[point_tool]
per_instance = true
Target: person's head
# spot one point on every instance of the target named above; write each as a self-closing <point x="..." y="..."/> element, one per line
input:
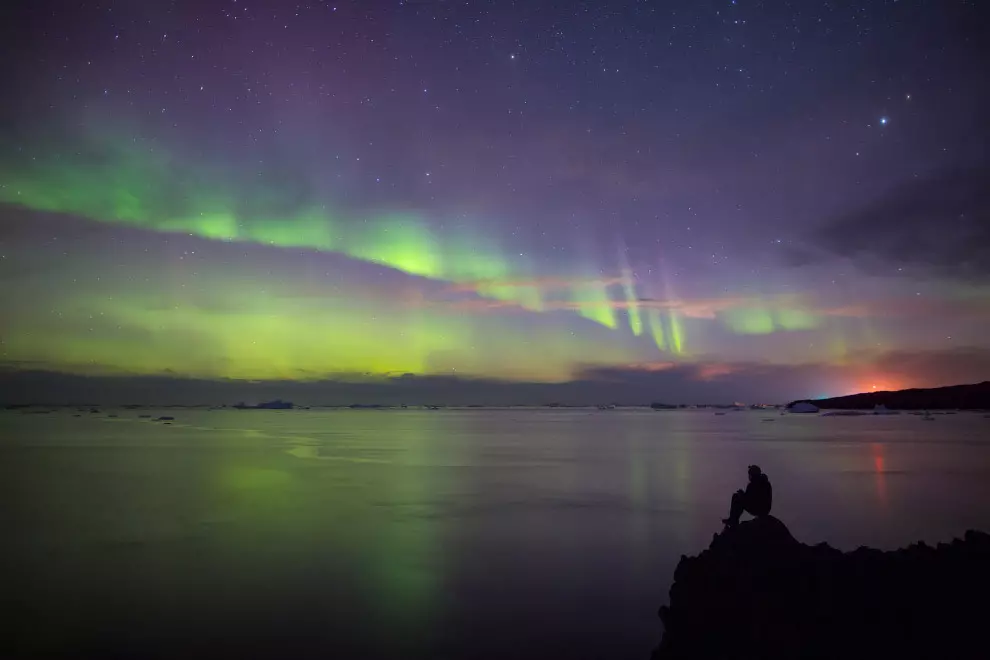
<point x="754" y="472"/>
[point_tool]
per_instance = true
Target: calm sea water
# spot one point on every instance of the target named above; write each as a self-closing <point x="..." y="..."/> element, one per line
<point x="445" y="534"/>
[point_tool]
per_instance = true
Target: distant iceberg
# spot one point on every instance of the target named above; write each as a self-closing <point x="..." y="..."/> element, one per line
<point x="881" y="409"/>
<point x="802" y="407"/>
<point x="277" y="404"/>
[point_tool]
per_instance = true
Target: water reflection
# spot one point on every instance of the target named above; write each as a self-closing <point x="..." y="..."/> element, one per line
<point x="358" y="500"/>
<point x="408" y="534"/>
<point x="640" y="481"/>
<point x="314" y="451"/>
<point x="405" y="559"/>
<point x="880" y="473"/>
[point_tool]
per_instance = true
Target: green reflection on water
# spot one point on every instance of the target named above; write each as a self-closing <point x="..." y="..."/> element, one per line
<point x="406" y="551"/>
<point x="377" y="510"/>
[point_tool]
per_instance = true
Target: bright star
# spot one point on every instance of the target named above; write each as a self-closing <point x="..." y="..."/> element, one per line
<point x="883" y="121"/>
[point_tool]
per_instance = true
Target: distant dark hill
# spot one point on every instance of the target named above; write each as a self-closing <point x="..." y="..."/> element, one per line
<point x="963" y="397"/>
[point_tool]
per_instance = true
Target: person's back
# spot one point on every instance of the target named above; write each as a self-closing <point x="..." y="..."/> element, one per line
<point x="759" y="495"/>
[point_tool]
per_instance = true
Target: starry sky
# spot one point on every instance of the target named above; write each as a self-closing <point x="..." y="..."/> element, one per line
<point x="493" y="200"/>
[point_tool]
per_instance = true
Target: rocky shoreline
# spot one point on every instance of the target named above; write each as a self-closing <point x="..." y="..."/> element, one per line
<point x="756" y="592"/>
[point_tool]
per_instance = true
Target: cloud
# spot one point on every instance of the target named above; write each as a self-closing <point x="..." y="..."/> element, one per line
<point x="946" y="367"/>
<point x="972" y="307"/>
<point x="671" y="382"/>
<point x="698" y="309"/>
<point x="542" y="283"/>
<point x="934" y="226"/>
<point x="554" y="298"/>
<point x="748" y="381"/>
<point x="556" y="289"/>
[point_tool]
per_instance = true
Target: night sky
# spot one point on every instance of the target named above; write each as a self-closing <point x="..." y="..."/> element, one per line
<point x="708" y="200"/>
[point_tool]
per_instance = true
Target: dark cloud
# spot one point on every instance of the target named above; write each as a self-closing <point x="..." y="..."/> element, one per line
<point x="937" y="226"/>
<point x="636" y="385"/>
<point x="948" y="367"/>
<point x="631" y="386"/>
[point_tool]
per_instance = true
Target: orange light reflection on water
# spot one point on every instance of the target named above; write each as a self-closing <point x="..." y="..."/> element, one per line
<point x="880" y="473"/>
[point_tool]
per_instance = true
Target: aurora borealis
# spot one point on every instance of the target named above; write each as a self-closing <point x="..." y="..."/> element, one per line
<point x="543" y="193"/>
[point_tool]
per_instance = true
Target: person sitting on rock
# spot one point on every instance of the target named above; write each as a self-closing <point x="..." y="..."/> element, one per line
<point x="756" y="499"/>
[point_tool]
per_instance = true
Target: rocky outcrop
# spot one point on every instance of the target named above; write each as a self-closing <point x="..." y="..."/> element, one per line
<point x="756" y="592"/>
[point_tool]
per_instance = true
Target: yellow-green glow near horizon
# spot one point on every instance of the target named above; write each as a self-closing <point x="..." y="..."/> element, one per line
<point x="764" y="321"/>
<point x="249" y="336"/>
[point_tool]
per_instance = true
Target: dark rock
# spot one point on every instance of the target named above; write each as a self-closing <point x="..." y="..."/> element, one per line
<point x="758" y="593"/>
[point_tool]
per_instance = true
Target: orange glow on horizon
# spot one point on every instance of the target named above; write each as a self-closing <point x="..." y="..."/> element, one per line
<point x="875" y="385"/>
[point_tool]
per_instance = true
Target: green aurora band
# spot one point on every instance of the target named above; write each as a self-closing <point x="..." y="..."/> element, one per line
<point x="147" y="189"/>
<point x="123" y="182"/>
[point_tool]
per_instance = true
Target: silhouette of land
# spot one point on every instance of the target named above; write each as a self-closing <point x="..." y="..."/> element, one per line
<point x="756" y="592"/>
<point x="955" y="397"/>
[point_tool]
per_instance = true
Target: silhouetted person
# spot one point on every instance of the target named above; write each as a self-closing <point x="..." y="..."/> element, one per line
<point x="755" y="500"/>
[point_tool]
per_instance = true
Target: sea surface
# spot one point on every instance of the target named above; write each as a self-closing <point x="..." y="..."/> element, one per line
<point x="426" y="534"/>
